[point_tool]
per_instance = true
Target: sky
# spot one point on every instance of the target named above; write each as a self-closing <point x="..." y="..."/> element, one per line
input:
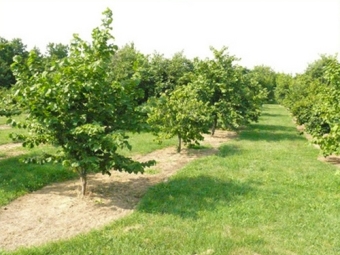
<point x="285" y="35"/>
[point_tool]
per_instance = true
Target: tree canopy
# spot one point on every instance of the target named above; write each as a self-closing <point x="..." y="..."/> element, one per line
<point x="75" y="105"/>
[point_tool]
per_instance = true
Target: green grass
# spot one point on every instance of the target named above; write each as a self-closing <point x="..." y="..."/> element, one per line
<point x="144" y="143"/>
<point x="5" y="133"/>
<point x="3" y="120"/>
<point x="18" y="118"/>
<point x="263" y="193"/>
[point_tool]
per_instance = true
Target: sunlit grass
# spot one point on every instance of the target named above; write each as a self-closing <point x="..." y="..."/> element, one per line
<point x="5" y="134"/>
<point x="6" y="129"/>
<point x="144" y="143"/>
<point x="263" y="193"/>
<point x="17" y="118"/>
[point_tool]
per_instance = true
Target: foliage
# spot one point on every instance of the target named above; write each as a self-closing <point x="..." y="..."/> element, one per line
<point x="8" y="106"/>
<point x="56" y="51"/>
<point x="179" y="113"/>
<point x="233" y="96"/>
<point x="313" y="99"/>
<point x="283" y="84"/>
<point x="75" y="105"/>
<point x="266" y="77"/>
<point x="316" y="70"/>
<point x="328" y="110"/>
<point x="125" y="63"/>
<point x="9" y="49"/>
<point x="167" y="74"/>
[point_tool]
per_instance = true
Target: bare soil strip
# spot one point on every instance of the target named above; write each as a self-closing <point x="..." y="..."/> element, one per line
<point x="58" y="212"/>
<point x="8" y="150"/>
<point x="4" y="127"/>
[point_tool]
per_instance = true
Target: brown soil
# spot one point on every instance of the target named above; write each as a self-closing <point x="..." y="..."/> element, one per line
<point x="8" y="150"/>
<point x="3" y="127"/>
<point x="334" y="160"/>
<point x="58" y="211"/>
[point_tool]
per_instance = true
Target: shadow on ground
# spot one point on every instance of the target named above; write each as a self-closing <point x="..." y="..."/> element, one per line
<point x="228" y="149"/>
<point x="270" y="133"/>
<point x="267" y="114"/>
<point x="186" y="197"/>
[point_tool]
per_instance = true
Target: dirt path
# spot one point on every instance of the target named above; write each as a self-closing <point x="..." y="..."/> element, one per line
<point x="58" y="212"/>
<point x="4" y="127"/>
<point x="9" y="150"/>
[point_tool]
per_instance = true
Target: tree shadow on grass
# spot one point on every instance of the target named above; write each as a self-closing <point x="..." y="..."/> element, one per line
<point x="270" y="133"/>
<point x="273" y="128"/>
<point x="186" y="197"/>
<point x="267" y="114"/>
<point x="228" y="149"/>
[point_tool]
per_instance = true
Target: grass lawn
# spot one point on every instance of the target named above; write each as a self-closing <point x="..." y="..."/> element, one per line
<point x="4" y="132"/>
<point x="3" y="120"/>
<point x="144" y="143"/>
<point x="263" y="193"/>
<point x="18" y="118"/>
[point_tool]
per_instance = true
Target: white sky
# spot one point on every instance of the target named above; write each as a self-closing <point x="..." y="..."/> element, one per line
<point x="283" y="34"/>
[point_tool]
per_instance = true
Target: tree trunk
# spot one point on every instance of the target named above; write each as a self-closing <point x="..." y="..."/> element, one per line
<point x="83" y="179"/>
<point x="213" y="128"/>
<point x="179" y="147"/>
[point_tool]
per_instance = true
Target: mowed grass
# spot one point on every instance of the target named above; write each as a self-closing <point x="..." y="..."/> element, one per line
<point x="144" y="143"/>
<point x="3" y="120"/>
<point x="5" y="134"/>
<point x="6" y="129"/>
<point x="18" y="118"/>
<point x="263" y="193"/>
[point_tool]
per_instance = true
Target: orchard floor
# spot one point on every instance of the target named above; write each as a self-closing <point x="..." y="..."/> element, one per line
<point x="58" y="211"/>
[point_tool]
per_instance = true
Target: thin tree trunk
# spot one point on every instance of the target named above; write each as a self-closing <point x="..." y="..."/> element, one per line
<point x="179" y="147"/>
<point x="83" y="179"/>
<point x="213" y="128"/>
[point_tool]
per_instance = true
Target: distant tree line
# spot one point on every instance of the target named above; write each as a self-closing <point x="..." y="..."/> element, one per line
<point x="11" y="48"/>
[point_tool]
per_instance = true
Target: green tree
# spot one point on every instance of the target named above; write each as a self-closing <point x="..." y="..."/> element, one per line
<point x="302" y="95"/>
<point x="283" y="85"/>
<point x="251" y="96"/>
<point x="266" y="77"/>
<point x="125" y="63"/>
<point x="313" y="99"/>
<point x="327" y="109"/>
<point x="9" y="49"/>
<point x="316" y="70"/>
<point x="75" y="105"/>
<point x="56" y="51"/>
<point x="179" y="113"/>
<point x="233" y="96"/>
<point x="219" y="78"/>
<point x="166" y="74"/>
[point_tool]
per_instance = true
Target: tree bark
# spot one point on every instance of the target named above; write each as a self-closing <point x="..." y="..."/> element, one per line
<point x="179" y="147"/>
<point x="83" y="179"/>
<point x="213" y="128"/>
